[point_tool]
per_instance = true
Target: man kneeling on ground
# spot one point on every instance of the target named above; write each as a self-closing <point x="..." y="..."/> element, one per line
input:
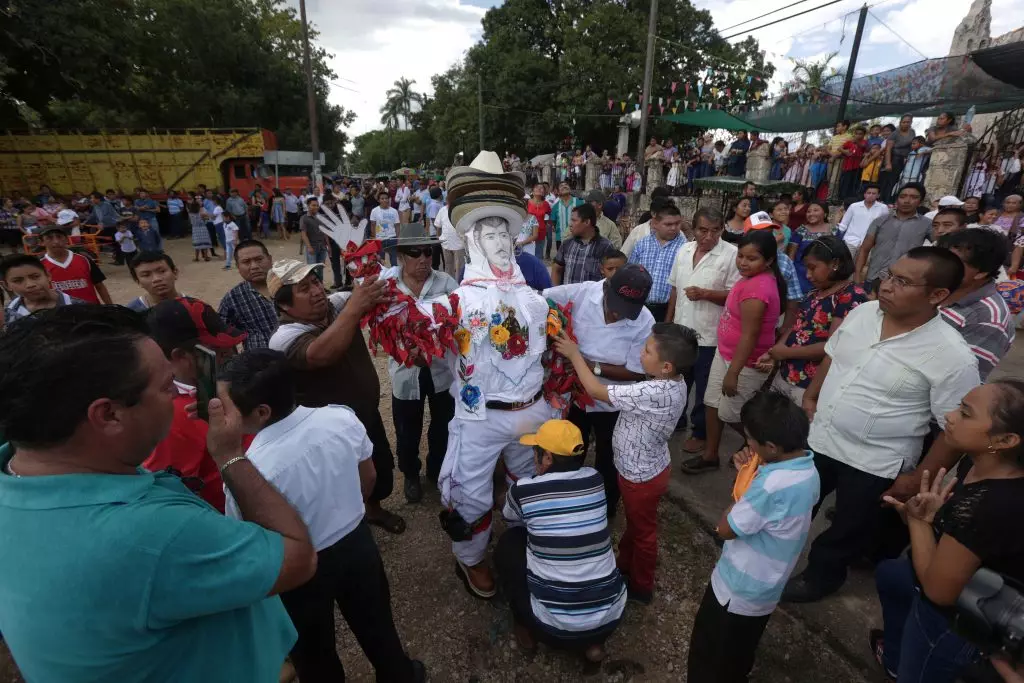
<point x="319" y="459"/>
<point x="556" y="566"/>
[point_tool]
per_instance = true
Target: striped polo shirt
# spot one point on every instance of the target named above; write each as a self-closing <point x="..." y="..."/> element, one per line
<point x="984" y="320"/>
<point x="575" y="588"/>
<point x="771" y="522"/>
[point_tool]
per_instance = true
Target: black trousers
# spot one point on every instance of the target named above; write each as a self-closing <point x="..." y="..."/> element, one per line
<point x="858" y="513"/>
<point x="291" y="221"/>
<point x="659" y="311"/>
<point x="408" y="416"/>
<point x="213" y="234"/>
<point x="698" y="376"/>
<point x="350" y="574"/>
<point x="722" y="645"/>
<point x="604" y="425"/>
<point x="510" y="565"/>
<point x="334" y="254"/>
<point x="383" y="458"/>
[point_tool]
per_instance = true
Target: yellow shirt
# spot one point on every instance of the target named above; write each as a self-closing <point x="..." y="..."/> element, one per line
<point x="837" y="141"/>
<point x="869" y="174"/>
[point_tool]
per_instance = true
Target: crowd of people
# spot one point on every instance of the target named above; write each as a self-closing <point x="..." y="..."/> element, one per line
<point x="240" y="450"/>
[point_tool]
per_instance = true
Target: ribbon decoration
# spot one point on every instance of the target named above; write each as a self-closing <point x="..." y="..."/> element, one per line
<point x="636" y="107"/>
<point x="686" y="86"/>
<point x="610" y="102"/>
<point x="623" y="105"/>
<point x="674" y="109"/>
<point x="714" y="91"/>
<point x="675" y="84"/>
<point x="700" y="90"/>
<point x="661" y="101"/>
<point x="648" y="109"/>
<point x="406" y="333"/>
<point x="559" y="376"/>
<point x="749" y="79"/>
<point x="662" y="106"/>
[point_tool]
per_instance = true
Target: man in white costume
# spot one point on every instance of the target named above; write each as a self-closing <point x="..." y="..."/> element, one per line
<point x="498" y="372"/>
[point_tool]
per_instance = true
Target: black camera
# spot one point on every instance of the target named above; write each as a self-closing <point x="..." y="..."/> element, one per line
<point x="457" y="528"/>
<point x="990" y="614"/>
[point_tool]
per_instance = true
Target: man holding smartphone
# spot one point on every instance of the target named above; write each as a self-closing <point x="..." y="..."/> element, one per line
<point x="195" y="340"/>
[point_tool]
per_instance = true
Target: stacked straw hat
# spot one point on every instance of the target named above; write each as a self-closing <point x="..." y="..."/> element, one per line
<point x="484" y="189"/>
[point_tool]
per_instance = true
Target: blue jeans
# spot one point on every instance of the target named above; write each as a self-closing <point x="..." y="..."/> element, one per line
<point x="316" y="255"/>
<point x="920" y="645"/>
<point x="697" y="379"/>
<point x="229" y="253"/>
<point x="391" y="247"/>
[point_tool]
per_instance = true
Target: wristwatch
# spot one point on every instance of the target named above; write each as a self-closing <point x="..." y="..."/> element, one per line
<point x="597" y="369"/>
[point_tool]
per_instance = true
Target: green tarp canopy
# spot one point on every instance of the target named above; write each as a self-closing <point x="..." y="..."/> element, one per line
<point x="711" y="118"/>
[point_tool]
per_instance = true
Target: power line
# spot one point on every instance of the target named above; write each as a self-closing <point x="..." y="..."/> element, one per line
<point x="779" y="21"/>
<point x="904" y="40"/>
<point x="774" y="11"/>
<point x="552" y="113"/>
<point x="702" y="54"/>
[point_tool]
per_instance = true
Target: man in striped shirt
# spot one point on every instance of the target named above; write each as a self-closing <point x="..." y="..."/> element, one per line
<point x="976" y="309"/>
<point x="555" y="561"/>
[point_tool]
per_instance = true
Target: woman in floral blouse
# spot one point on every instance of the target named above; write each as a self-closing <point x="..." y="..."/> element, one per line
<point x="829" y="267"/>
<point x="813" y="226"/>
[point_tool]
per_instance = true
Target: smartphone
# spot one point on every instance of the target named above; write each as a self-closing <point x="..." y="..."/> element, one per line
<point x="206" y="379"/>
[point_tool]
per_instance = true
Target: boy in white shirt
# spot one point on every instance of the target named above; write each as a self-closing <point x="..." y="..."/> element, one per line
<point x="125" y="244"/>
<point x="230" y="240"/>
<point x="648" y="413"/>
<point x="384" y="222"/>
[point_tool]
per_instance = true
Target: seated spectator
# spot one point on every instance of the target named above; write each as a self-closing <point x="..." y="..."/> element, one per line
<point x="119" y="566"/>
<point x="178" y="326"/>
<point x="764" y="533"/>
<point x="319" y="459"/>
<point x="156" y="273"/>
<point x="555" y="561"/>
<point x="891" y="367"/>
<point x="27" y="280"/>
<point x="975" y="308"/>
<point x="956" y="528"/>
<point x="829" y="268"/>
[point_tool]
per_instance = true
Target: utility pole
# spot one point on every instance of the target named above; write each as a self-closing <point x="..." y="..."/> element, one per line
<point x="480" y="106"/>
<point x="652" y="24"/>
<point x="852" y="65"/>
<point x="314" y="135"/>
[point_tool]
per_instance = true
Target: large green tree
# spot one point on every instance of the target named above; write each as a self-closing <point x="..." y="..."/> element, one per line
<point x="548" y="67"/>
<point x="163" y="63"/>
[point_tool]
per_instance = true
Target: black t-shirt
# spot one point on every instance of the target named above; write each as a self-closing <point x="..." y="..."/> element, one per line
<point x="983" y="517"/>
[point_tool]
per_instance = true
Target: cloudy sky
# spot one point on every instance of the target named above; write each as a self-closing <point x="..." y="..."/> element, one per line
<point x="374" y="43"/>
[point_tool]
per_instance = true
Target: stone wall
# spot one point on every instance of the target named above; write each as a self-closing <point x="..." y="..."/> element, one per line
<point x="945" y="170"/>
<point x="759" y="164"/>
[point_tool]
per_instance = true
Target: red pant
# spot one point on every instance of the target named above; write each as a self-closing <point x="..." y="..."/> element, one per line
<point x="638" y="547"/>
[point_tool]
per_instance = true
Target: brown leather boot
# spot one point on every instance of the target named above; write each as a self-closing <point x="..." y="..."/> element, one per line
<point x="478" y="579"/>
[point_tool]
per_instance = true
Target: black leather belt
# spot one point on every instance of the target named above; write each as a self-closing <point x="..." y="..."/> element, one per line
<point x="515" y="405"/>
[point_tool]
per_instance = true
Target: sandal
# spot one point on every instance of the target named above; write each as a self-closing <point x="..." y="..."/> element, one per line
<point x="698" y="465"/>
<point x="876" y="639"/>
<point x="388" y="521"/>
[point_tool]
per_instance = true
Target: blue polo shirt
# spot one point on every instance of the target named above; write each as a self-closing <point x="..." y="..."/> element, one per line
<point x="135" y="578"/>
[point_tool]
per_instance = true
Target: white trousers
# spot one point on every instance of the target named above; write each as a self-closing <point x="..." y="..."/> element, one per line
<point x="467" y="475"/>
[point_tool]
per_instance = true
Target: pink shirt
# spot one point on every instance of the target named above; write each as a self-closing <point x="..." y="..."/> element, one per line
<point x="763" y="287"/>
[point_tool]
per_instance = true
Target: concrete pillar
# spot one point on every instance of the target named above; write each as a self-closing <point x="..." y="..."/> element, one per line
<point x="546" y="173"/>
<point x="759" y="164"/>
<point x="622" y="146"/>
<point x="593" y="172"/>
<point x="946" y="168"/>
<point x="655" y="175"/>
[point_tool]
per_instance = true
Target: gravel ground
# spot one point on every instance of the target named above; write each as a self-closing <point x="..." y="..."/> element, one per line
<point x="461" y="639"/>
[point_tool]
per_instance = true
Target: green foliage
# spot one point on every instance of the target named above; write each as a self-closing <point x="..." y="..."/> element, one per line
<point x="548" y="68"/>
<point x="164" y="64"/>
<point x="398" y="106"/>
<point x="383" y="151"/>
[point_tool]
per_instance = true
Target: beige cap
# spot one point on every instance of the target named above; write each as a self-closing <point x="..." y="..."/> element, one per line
<point x="288" y="271"/>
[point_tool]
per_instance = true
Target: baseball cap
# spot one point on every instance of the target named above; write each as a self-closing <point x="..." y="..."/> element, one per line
<point x="53" y="227"/>
<point x="947" y="201"/>
<point x="596" y="196"/>
<point x="558" y="437"/>
<point x="627" y="290"/>
<point x="66" y="217"/>
<point x="186" y="320"/>
<point x="758" y="221"/>
<point x="288" y="271"/>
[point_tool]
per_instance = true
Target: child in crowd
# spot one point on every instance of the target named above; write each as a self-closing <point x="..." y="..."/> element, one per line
<point x="230" y="240"/>
<point x="125" y="245"/>
<point x="149" y="237"/>
<point x="764" y="531"/>
<point x="200" y="232"/>
<point x="917" y="162"/>
<point x="648" y="415"/>
<point x="611" y="262"/>
<point x="871" y="166"/>
<point x="28" y="281"/>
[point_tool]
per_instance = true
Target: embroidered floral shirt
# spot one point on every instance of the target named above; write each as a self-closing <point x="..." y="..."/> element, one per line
<point x="813" y="321"/>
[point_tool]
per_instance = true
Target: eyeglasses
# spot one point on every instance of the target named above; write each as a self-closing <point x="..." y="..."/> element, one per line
<point x="900" y="282"/>
<point x="416" y="252"/>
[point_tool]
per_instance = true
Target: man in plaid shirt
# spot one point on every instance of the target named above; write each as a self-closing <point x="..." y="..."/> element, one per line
<point x="657" y="253"/>
<point x="247" y="305"/>
<point x="579" y="257"/>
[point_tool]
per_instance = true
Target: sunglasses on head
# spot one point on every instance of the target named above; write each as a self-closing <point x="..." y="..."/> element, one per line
<point x="416" y="252"/>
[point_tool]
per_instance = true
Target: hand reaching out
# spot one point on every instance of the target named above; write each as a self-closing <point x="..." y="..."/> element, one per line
<point x="566" y="346"/>
<point x="927" y="502"/>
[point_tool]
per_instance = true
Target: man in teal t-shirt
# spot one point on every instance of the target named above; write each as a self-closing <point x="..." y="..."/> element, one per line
<point x="114" y="573"/>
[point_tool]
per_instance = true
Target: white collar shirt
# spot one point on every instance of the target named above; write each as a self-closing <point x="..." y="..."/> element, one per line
<point x="858" y="218"/>
<point x="716" y="271"/>
<point x="879" y="396"/>
<point x="618" y="343"/>
<point x="312" y="457"/>
<point x="450" y="239"/>
<point x="635" y="235"/>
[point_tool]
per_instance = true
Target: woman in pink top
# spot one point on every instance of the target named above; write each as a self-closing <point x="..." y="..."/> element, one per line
<point x="745" y="331"/>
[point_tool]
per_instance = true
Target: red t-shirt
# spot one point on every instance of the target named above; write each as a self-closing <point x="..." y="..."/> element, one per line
<point x="184" y="449"/>
<point x="852" y="162"/>
<point x="77" y="276"/>
<point x="540" y="212"/>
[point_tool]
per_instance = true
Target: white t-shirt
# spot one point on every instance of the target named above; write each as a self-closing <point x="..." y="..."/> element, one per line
<point x="858" y="218"/>
<point x="218" y="215"/>
<point x="126" y="240"/>
<point x="402" y="197"/>
<point x="450" y="239"/>
<point x="230" y="232"/>
<point x="385" y="222"/>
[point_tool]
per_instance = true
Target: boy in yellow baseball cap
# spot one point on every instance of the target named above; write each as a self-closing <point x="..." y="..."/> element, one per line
<point x="558" y="534"/>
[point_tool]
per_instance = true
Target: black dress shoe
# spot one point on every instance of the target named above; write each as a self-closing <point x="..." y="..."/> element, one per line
<point x="800" y="590"/>
<point x="413" y="490"/>
<point x="419" y="671"/>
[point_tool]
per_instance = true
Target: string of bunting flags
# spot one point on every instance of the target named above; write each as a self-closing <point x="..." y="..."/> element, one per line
<point x="690" y="94"/>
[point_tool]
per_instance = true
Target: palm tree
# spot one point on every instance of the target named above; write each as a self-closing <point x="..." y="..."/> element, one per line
<point x="815" y="77"/>
<point x="390" y="114"/>
<point x="402" y="97"/>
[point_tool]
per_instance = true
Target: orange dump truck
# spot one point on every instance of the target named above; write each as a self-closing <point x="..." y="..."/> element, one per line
<point x="158" y="160"/>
